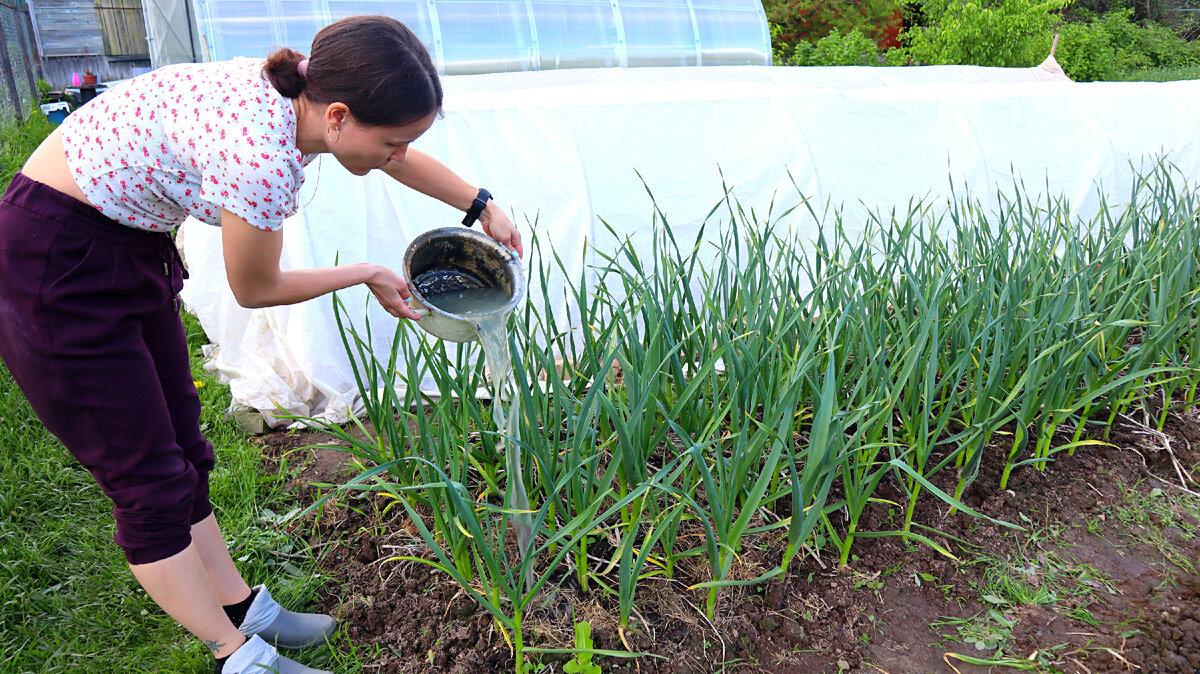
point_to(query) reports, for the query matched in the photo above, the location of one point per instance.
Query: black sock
(237, 612)
(220, 664)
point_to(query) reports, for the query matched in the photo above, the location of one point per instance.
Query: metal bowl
(474, 255)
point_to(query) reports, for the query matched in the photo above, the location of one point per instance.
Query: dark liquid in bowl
(470, 301)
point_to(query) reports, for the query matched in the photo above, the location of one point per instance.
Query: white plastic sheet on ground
(565, 149)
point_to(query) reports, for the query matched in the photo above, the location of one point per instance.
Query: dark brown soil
(1110, 542)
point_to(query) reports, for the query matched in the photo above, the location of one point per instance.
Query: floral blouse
(188, 139)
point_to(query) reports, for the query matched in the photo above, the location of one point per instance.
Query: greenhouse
(472, 36)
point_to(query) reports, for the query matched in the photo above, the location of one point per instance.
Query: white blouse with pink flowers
(188, 139)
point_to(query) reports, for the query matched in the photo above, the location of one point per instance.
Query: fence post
(29, 54)
(6, 66)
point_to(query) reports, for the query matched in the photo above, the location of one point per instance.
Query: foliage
(809, 20)
(851, 49)
(1155, 11)
(19, 141)
(1100, 39)
(44, 88)
(1006, 33)
(1110, 46)
(1171, 12)
(748, 382)
(1162, 74)
(582, 662)
(1086, 53)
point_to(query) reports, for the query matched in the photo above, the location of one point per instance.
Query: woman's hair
(373, 64)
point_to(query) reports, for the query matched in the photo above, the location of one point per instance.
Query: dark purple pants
(90, 329)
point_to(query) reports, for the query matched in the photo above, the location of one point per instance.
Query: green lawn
(19, 141)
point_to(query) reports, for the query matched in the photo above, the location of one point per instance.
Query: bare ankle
(223, 648)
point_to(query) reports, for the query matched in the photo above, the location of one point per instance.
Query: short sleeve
(256, 178)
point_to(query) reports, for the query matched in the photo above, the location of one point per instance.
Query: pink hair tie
(302, 68)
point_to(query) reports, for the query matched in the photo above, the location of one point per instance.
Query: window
(123, 28)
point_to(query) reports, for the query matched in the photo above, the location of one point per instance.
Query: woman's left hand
(497, 225)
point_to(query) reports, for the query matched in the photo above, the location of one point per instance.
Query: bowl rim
(511, 260)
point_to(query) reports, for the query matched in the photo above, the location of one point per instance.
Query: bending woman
(89, 276)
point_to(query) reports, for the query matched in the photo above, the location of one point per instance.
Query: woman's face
(361, 148)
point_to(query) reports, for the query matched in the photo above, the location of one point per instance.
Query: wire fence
(18, 62)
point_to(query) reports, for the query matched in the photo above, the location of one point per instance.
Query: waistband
(46, 202)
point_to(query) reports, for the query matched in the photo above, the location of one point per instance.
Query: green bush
(1008, 33)
(835, 49)
(44, 88)
(851, 49)
(1086, 53)
(1112, 47)
(800, 21)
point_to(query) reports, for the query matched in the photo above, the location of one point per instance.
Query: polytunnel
(485, 36)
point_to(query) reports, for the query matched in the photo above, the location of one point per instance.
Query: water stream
(478, 305)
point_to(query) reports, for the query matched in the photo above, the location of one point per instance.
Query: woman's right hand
(391, 291)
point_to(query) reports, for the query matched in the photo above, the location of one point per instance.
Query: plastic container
(56, 112)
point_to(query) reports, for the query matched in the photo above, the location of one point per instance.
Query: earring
(338, 131)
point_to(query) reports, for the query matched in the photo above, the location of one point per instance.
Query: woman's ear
(336, 114)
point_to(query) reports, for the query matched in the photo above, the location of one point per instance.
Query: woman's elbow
(251, 298)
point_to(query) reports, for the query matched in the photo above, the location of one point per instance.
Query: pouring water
(467, 285)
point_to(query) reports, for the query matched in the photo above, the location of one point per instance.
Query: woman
(89, 323)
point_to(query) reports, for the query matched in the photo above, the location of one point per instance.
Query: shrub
(810, 20)
(1112, 46)
(835, 49)
(1009, 33)
(44, 88)
(852, 49)
(1086, 53)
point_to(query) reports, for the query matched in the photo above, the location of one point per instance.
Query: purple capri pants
(90, 330)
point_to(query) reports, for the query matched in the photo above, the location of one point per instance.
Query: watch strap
(477, 207)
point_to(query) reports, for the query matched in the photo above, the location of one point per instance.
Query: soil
(1105, 567)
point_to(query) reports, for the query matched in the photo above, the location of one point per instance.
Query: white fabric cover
(565, 149)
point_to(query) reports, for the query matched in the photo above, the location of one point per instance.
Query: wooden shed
(107, 37)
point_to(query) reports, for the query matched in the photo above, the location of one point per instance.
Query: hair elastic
(302, 68)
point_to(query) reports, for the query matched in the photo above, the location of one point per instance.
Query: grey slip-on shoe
(283, 628)
(258, 657)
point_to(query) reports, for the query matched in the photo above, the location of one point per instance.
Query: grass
(18, 141)
(1161, 519)
(1037, 570)
(69, 602)
(1164, 74)
(1040, 569)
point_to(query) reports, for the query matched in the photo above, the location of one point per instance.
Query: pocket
(79, 270)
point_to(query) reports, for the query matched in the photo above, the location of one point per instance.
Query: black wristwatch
(477, 207)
